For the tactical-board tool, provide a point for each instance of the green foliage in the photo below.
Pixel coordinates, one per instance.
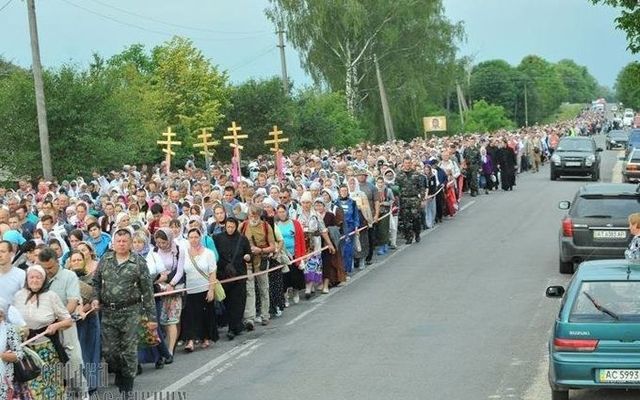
(566, 112)
(498, 83)
(545, 89)
(628, 21)
(485, 117)
(581, 86)
(628, 85)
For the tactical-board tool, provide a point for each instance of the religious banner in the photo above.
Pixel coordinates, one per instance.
(435, 124)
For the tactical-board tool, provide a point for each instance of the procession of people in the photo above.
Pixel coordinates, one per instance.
(88, 264)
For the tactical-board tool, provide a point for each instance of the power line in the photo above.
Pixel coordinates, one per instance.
(247, 62)
(5, 5)
(174, 24)
(112, 19)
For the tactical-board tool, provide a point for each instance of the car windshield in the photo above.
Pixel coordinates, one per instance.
(575, 145)
(619, 136)
(606, 301)
(612, 206)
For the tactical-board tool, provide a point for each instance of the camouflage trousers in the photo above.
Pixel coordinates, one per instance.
(473, 180)
(409, 217)
(120, 340)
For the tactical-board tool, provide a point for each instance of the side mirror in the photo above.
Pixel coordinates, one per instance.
(564, 205)
(554, 292)
(599, 149)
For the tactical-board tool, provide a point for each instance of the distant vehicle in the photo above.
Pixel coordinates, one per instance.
(595, 226)
(617, 139)
(614, 108)
(628, 117)
(576, 155)
(594, 342)
(634, 141)
(631, 167)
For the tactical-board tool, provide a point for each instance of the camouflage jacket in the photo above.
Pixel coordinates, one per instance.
(472, 157)
(125, 285)
(409, 185)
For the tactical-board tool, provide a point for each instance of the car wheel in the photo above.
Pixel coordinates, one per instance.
(559, 395)
(554, 176)
(565, 267)
(595, 176)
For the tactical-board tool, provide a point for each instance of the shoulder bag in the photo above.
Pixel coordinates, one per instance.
(218, 290)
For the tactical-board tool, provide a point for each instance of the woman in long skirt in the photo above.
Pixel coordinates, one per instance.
(199, 315)
(332, 266)
(295, 247)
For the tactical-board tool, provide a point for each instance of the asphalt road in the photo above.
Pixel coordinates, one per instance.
(461, 315)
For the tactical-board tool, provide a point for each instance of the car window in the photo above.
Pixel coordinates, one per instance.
(574, 145)
(613, 206)
(618, 297)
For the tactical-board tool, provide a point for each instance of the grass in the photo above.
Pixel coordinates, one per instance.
(565, 112)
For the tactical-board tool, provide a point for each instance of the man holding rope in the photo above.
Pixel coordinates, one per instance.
(124, 293)
(411, 195)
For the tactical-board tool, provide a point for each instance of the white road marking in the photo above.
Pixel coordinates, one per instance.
(616, 176)
(223, 358)
(464, 207)
(302, 315)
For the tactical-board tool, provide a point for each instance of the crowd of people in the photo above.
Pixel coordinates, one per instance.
(86, 265)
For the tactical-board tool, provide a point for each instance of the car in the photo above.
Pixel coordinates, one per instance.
(631, 167)
(633, 142)
(595, 225)
(576, 155)
(595, 341)
(627, 118)
(617, 139)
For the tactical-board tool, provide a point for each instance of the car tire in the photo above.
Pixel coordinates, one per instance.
(565, 267)
(559, 395)
(595, 176)
(554, 176)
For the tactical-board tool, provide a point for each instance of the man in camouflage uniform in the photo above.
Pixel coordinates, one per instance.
(124, 293)
(411, 195)
(471, 156)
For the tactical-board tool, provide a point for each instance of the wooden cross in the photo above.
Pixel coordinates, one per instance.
(276, 139)
(205, 143)
(169, 142)
(235, 136)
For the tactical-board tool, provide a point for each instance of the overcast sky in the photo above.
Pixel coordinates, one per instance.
(237, 36)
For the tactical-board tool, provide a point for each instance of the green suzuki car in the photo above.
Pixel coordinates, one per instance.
(596, 338)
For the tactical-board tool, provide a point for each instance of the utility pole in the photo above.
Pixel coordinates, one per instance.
(526, 107)
(41, 107)
(283, 61)
(388, 123)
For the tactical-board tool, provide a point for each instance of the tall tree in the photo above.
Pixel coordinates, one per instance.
(581, 86)
(497, 82)
(628, 21)
(545, 89)
(628, 85)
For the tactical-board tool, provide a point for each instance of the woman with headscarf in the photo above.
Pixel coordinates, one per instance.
(430, 205)
(314, 232)
(199, 316)
(170, 266)
(89, 326)
(10, 353)
(486, 169)
(276, 283)
(295, 247)
(235, 252)
(366, 220)
(332, 267)
(44, 312)
(350, 222)
(385, 197)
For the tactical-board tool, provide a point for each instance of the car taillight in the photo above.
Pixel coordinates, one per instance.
(574, 344)
(567, 227)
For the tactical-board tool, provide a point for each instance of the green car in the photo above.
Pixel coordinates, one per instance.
(596, 337)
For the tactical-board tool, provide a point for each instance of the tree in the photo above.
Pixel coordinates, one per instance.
(581, 86)
(545, 89)
(628, 85)
(628, 21)
(485, 117)
(496, 82)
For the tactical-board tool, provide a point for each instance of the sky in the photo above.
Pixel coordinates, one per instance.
(236, 35)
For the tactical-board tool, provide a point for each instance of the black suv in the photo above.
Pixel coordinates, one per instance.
(596, 226)
(576, 155)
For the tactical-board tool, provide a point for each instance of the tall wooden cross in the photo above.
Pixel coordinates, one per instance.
(206, 145)
(277, 150)
(276, 139)
(234, 137)
(168, 142)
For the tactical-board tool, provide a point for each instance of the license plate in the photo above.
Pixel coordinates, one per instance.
(573, 163)
(619, 376)
(609, 234)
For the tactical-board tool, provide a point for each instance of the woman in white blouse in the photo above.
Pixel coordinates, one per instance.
(44, 312)
(198, 316)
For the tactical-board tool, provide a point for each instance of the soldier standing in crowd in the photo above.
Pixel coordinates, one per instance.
(411, 195)
(472, 159)
(124, 292)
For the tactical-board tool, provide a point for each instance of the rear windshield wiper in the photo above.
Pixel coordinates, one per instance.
(596, 216)
(601, 308)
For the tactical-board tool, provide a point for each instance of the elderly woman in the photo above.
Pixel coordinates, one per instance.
(365, 219)
(44, 312)
(294, 245)
(169, 262)
(314, 231)
(332, 266)
(10, 352)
